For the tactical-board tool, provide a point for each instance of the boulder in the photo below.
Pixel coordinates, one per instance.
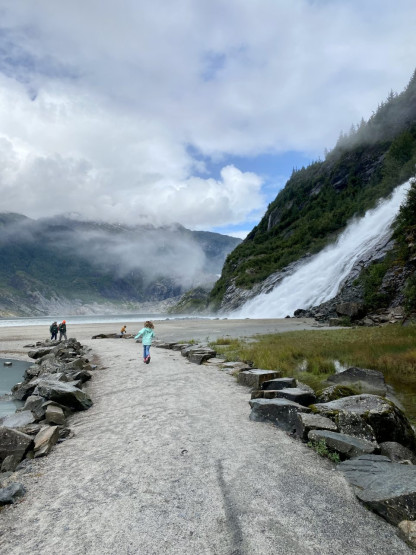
(18, 419)
(200, 356)
(396, 452)
(279, 383)
(21, 391)
(105, 336)
(387, 488)
(370, 417)
(13, 442)
(362, 379)
(293, 394)
(32, 372)
(334, 392)
(9, 464)
(255, 377)
(39, 353)
(34, 403)
(351, 309)
(55, 415)
(45, 440)
(64, 393)
(10, 494)
(297, 395)
(347, 446)
(305, 422)
(281, 412)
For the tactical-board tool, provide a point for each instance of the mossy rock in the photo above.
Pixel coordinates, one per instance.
(335, 392)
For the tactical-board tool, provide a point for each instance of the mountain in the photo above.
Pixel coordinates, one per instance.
(318, 201)
(61, 264)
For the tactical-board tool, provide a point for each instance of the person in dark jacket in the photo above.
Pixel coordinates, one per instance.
(54, 331)
(62, 330)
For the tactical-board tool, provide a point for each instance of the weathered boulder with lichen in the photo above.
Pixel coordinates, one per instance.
(345, 445)
(369, 417)
(334, 392)
(364, 380)
(387, 488)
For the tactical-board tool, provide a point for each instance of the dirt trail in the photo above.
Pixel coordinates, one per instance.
(167, 461)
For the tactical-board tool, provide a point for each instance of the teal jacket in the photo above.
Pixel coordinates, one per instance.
(148, 335)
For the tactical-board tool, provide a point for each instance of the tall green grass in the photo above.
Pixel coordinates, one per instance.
(310, 355)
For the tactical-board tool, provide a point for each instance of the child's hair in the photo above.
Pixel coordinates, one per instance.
(149, 324)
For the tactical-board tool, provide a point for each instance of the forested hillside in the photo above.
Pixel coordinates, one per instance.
(317, 202)
(59, 262)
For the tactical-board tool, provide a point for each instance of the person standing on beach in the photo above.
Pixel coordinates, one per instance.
(62, 330)
(148, 334)
(54, 331)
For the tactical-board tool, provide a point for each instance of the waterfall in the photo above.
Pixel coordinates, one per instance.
(319, 278)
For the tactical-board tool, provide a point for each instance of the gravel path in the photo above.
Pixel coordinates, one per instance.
(167, 461)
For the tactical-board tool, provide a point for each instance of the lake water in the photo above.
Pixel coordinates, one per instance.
(9, 376)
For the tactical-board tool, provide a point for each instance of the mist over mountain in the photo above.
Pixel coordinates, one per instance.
(54, 264)
(320, 200)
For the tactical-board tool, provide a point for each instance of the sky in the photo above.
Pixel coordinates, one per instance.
(185, 111)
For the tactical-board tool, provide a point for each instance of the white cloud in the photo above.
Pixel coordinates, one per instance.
(99, 102)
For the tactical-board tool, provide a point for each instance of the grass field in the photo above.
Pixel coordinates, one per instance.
(311, 356)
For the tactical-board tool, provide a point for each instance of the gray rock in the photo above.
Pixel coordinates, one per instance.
(39, 353)
(369, 417)
(32, 372)
(13, 442)
(281, 412)
(9, 464)
(387, 488)
(255, 377)
(293, 394)
(362, 379)
(350, 309)
(198, 357)
(55, 415)
(45, 440)
(63, 393)
(396, 452)
(334, 392)
(34, 403)
(279, 383)
(347, 446)
(305, 422)
(18, 419)
(10, 494)
(21, 391)
(198, 354)
(297, 395)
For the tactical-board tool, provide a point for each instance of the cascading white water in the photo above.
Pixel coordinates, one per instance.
(319, 279)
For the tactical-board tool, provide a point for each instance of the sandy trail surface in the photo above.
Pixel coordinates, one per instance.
(167, 461)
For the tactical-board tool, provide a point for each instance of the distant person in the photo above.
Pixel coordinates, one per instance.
(148, 335)
(62, 330)
(54, 331)
(123, 331)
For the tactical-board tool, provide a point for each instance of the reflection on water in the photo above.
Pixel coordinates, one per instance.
(9, 376)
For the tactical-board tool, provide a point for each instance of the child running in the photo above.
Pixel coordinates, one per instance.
(148, 335)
